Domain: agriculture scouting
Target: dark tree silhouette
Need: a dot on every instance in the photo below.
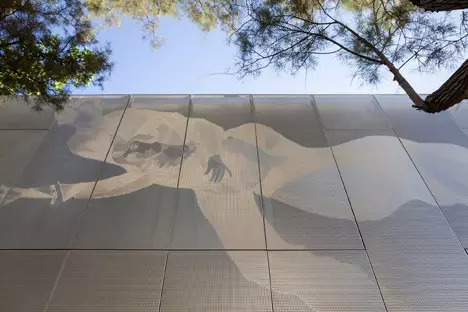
(370, 36)
(47, 47)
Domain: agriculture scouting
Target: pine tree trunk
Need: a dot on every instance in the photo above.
(441, 5)
(397, 76)
(404, 84)
(452, 92)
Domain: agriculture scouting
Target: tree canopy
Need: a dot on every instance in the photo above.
(441, 5)
(370, 36)
(205, 13)
(46, 48)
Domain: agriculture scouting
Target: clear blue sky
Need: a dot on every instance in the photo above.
(184, 64)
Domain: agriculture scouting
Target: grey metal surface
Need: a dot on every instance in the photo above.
(216, 206)
(417, 259)
(323, 281)
(305, 205)
(440, 152)
(350, 112)
(134, 209)
(17, 114)
(460, 114)
(17, 149)
(200, 281)
(44, 208)
(211, 207)
(117, 281)
(27, 279)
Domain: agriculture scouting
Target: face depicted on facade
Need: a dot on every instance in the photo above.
(140, 150)
(151, 139)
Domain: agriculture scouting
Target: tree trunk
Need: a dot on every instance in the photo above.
(397, 76)
(441, 5)
(404, 84)
(452, 92)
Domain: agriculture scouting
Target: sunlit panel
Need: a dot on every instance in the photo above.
(219, 179)
(132, 204)
(350, 112)
(416, 257)
(304, 201)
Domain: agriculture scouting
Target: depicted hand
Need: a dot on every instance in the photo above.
(217, 168)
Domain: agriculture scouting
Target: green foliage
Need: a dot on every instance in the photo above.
(366, 34)
(147, 12)
(48, 47)
(207, 14)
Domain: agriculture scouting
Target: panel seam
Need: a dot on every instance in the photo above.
(252, 109)
(99, 175)
(163, 280)
(422, 178)
(176, 199)
(59, 275)
(312, 102)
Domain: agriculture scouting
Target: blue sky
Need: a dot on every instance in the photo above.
(189, 58)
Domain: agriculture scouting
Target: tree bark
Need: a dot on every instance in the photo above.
(441, 5)
(404, 84)
(397, 76)
(452, 92)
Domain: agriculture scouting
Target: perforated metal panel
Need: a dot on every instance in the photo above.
(350, 112)
(323, 281)
(17, 149)
(440, 152)
(417, 259)
(305, 204)
(109, 281)
(216, 281)
(15, 113)
(460, 114)
(134, 209)
(43, 212)
(27, 279)
(216, 205)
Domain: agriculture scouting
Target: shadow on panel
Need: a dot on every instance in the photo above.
(419, 264)
(43, 208)
(135, 208)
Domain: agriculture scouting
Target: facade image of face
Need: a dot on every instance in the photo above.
(248, 199)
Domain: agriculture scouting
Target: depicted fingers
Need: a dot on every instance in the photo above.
(208, 169)
(218, 175)
(213, 175)
(223, 172)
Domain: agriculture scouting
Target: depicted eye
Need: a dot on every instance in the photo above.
(230, 138)
(134, 146)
